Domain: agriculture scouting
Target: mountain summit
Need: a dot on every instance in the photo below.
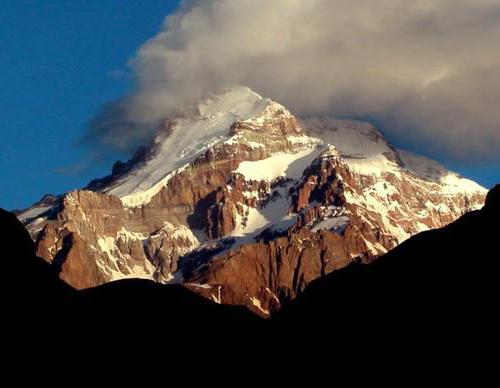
(246, 204)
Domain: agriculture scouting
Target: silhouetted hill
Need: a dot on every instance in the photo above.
(28, 282)
(133, 298)
(448, 275)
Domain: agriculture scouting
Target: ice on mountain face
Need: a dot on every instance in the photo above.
(107, 245)
(336, 224)
(241, 102)
(377, 203)
(455, 184)
(142, 197)
(271, 109)
(360, 144)
(272, 217)
(118, 264)
(423, 167)
(431, 170)
(366, 151)
(351, 138)
(278, 165)
(33, 213)
(274, 212)
(251, 224)
(188, 138)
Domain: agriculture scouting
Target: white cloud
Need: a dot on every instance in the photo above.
(428, 69)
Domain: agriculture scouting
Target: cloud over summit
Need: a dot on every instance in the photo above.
(429, 70)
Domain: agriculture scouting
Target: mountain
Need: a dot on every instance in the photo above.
(246, 204)
(444, 277)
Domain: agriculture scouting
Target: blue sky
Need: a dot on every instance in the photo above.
(57, 65)
(59, 62)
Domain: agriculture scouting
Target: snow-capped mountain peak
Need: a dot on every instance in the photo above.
(247, 204)
(183, 139)
(240, 101)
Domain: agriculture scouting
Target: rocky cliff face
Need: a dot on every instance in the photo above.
(246, 204)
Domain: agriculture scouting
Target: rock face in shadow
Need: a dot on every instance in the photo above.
(448, 274)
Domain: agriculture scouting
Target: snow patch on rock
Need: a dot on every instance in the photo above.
(33, 213)
(290, 165)
(431, 170)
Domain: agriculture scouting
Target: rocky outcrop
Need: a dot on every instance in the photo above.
(120, 169)
(265, 275)
(322, 183)
(95, 239)
(221, 218)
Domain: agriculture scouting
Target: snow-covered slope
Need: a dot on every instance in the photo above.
(367, 152)
(184, 139)
(432, 171)
(359, 143)
(281, 164)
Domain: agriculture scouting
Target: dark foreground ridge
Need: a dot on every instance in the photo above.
(449, 273)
